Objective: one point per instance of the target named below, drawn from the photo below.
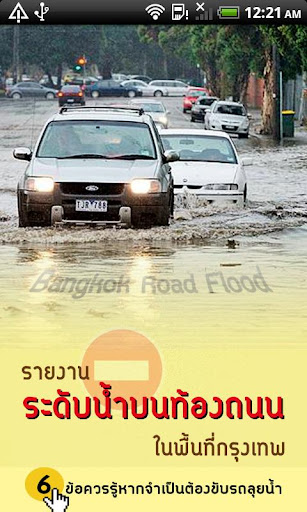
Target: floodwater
(269, 237)
(277, 188)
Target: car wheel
(50, 96)
(158, 94)
(167, 210)
(184, 110)
(192, 119)
(25, 220)
(16, 95)
(95, 94)
(243, 135)
(131, 94)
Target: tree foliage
(226, 53)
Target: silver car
(173, 87)
(30, 89)
(147, 90)
(156, 109)
(96, 165)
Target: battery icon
(228, 13)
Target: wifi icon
(155, 10)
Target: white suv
(96, 165)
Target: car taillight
(60, 94)
(80, 93)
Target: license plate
(91, 205)
(70, 100)
(229, 127)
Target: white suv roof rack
(129, 110)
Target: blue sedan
(112, 88)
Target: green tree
(291, 43)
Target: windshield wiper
(84, 155)
(133, 157)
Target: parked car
(96, 165)
(155, 109)
(71, 94)
(147, 90)
(143, 78)
(208, 165)
(191, 96)
(111, 88)
(173, 87)
(30, 89)
(228, 116)
(201, 105)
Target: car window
(70, 88)
(206, 101)
(236, 110)
(195, 94)
(201, 148)
(25, 85)
(109, 138)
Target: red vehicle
(70, 94)
(192, 95)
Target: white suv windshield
(97, 139)
(201, 148)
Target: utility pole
(277, 118)
(16, 53)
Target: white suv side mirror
(22, 153)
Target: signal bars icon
(155, 10)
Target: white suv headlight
(144, 186)
(40, 184)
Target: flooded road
(277, 187)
